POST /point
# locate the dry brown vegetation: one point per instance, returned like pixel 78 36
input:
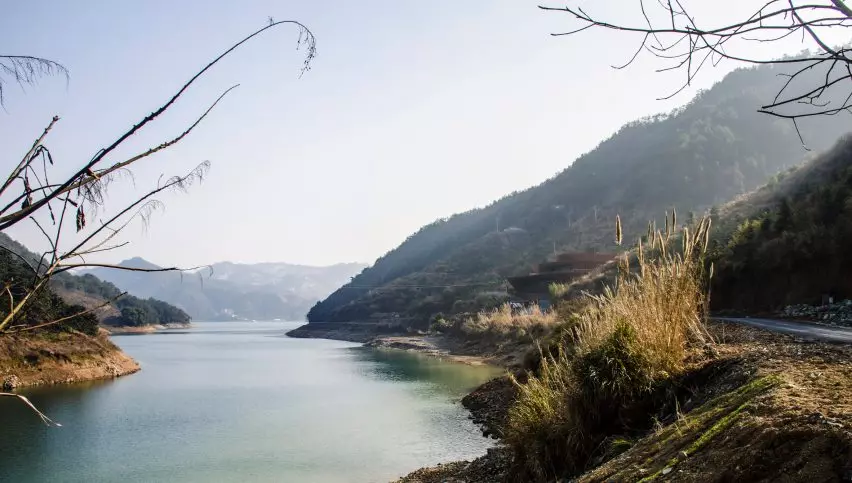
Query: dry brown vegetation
pixel 619 353
pixel 502 336
pixel 502 321
pixel 754 406
pixel 633 385
pixel 780 412
pixel 87 301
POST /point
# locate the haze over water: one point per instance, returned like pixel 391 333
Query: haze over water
pixel 242 402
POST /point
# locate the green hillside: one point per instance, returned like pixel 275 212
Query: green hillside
pixel 89 291
pixel 44 306
pixel 703 154
pixel 789 241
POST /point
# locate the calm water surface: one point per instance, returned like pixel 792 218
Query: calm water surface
pixel 242 402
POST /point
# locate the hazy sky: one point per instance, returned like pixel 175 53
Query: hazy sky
pixel 412 111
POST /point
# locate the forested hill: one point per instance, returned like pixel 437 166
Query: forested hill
pixel 788 242
pixel 89 291
pixel 705 153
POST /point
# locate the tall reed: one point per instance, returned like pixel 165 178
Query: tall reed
pixel 627 341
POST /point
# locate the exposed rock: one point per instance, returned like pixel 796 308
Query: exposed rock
pixel 838 313
pixel 348 331
pixel 10 382
pixel 61 358
pixel 489 405
pixel 492 467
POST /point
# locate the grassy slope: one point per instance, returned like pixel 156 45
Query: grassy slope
pixel 756 407
pixel 791 421
pixel 74 350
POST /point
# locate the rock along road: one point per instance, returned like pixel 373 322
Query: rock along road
pixel 797 328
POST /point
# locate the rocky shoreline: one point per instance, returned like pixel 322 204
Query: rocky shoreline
pixel 395 336
pixel 346 331
pixel 145 329
pixel 434 346
pixel 488 404
pixel 60 358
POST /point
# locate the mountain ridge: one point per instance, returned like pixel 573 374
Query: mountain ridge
pixel 235 291
pixel 702 154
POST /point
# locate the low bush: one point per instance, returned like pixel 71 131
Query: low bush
pixel 440 324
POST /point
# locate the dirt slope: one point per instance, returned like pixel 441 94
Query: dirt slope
pixel 791 422
pixel 52 358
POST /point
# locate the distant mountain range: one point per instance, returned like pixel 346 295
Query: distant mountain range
pixel 235 291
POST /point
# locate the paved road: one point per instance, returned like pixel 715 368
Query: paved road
pixel 800 329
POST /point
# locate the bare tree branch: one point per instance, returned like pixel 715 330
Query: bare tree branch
pixel 26 70
pixel 20 257
pixel 95 177
pixel 29 156
pixel 68 317
pixel 71 266
pixel 306 37
pixel 85 190
pixel 46 420
pixel 90 183
pixel 686 45
pixel 842 7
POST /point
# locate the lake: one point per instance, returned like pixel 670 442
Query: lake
pixel 242 402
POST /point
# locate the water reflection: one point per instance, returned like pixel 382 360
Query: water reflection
pixel 404 366
pixel 227 402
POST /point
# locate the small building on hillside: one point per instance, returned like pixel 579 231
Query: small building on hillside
pixel 567 267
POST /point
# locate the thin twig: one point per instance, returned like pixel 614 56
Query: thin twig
pixel 46 420
pixel 69 317
pixel 8 220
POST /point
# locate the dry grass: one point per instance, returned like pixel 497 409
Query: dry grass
pixel 542 427
pixel 663 306
pixel 502 322
pixel 622 347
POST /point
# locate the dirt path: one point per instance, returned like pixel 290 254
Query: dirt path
pixel 793 327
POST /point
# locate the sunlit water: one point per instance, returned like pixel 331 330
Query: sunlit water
pixel 242 402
